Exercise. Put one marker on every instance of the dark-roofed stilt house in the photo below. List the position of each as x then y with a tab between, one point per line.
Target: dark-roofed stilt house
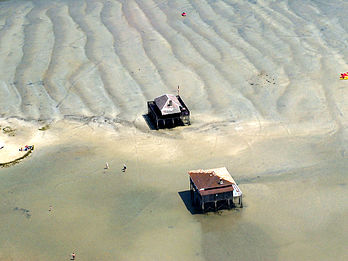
214	189
168	111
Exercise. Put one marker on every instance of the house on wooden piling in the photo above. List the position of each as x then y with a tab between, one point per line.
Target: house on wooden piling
168	111
214	189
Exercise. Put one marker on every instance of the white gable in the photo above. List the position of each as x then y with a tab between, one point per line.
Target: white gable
168	104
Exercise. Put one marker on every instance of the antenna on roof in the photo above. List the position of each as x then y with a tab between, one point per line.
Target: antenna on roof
178	90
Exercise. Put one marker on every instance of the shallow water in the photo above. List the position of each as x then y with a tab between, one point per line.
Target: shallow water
109	215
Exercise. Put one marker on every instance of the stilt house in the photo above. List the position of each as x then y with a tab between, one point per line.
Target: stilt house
168	111
214	189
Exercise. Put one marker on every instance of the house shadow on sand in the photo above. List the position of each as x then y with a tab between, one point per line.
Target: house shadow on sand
149	123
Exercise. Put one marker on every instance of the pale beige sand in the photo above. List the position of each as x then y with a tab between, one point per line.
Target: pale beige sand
16	134
261	81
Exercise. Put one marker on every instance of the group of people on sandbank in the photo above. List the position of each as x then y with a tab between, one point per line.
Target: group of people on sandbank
26	148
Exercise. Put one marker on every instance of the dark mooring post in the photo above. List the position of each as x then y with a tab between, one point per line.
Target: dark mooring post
191	191
156	120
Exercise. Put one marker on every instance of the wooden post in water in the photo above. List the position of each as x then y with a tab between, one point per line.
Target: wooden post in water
191	193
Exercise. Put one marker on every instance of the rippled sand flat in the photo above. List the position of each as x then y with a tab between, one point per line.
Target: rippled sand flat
234	60
261	79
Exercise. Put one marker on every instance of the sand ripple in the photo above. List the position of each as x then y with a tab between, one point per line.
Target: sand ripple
234	60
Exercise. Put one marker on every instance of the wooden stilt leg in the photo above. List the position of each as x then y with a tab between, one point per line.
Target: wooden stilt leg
203	206
229	203
215	204
191	193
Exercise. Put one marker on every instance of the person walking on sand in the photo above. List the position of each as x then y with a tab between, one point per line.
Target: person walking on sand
124	168
73	255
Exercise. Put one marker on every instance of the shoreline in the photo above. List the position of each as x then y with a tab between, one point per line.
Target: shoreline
57	132
237	137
